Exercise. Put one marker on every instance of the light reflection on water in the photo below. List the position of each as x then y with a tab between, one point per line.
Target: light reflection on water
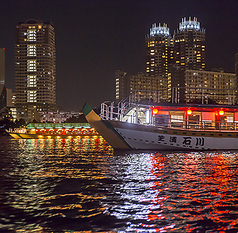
83	185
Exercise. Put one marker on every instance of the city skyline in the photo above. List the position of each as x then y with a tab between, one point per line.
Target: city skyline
96	38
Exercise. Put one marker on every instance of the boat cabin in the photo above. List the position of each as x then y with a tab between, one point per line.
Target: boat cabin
185	116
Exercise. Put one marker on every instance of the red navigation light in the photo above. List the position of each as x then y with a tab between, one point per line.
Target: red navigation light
189	112
221	113
155	111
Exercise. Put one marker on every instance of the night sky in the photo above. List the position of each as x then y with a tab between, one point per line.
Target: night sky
96	38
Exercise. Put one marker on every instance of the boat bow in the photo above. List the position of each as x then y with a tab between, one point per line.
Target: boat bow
105	129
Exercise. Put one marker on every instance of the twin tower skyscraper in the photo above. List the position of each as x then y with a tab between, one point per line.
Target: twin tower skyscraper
167	57
185	49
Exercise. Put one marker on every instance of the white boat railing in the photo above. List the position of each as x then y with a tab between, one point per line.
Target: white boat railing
202	125
110	111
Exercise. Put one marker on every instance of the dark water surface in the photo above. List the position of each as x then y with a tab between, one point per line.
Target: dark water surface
84	186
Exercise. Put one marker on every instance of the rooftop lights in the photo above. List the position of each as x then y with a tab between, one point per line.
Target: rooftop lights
159	30
189	24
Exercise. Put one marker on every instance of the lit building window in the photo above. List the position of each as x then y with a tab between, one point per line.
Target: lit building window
31	65
31	50
31	80
31	96
31	35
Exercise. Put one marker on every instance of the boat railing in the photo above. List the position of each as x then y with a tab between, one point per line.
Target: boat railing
110	111
199	125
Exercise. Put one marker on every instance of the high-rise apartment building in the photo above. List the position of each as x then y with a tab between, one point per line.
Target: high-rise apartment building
236	72
35	69
2	66
122	85
167	59
146	88
210	87
189	45
236	66
158	51
159	56
2	79
189	53
139	88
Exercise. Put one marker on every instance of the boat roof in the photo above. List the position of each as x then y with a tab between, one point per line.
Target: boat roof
193	107
57	125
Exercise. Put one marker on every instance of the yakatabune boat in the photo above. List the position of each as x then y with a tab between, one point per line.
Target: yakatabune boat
166	126
54	130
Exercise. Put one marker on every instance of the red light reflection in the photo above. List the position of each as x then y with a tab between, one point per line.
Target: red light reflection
193	187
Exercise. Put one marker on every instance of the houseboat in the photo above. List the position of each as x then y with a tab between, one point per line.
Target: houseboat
54	130
166	126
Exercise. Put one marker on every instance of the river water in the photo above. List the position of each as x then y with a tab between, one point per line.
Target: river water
84	186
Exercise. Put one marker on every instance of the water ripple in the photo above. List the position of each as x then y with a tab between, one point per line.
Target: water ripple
83	185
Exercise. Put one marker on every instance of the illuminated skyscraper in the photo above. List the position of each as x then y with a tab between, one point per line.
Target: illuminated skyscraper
189	54
158	50
35	70
2	66
2	79
122	84
159	55
236	65
210	87
167	59
236	71
189	45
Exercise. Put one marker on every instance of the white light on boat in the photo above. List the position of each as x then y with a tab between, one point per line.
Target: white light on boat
130	119
147	116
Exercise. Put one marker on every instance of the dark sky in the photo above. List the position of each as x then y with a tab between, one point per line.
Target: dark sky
96	38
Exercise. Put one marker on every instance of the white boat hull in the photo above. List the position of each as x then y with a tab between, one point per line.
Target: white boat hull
149	140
